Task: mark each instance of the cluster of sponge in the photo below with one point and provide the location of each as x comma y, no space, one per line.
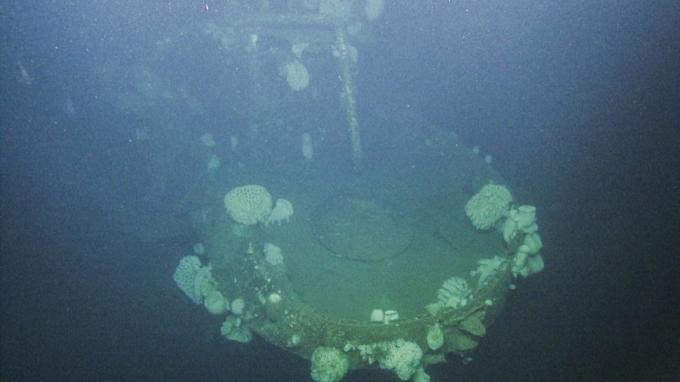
454,293
488,206
191,277
401,356
328,364
233,329
522,221
252,204
487,269
485,209
197,282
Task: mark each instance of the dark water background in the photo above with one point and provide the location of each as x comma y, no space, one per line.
577,101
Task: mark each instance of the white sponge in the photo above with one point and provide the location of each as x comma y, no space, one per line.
215,303
488,206
185,277
249,204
